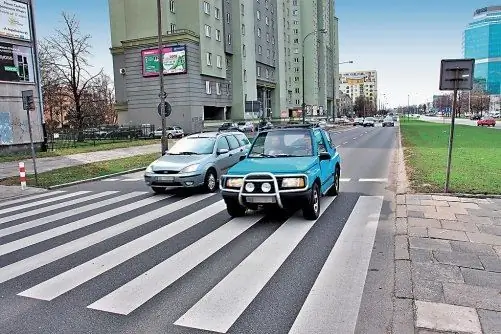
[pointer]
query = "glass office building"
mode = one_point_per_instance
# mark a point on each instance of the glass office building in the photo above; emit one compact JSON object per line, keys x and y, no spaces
{"x":482,"y":41}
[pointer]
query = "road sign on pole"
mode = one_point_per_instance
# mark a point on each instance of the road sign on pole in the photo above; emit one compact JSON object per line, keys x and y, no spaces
{"x":28,"y":105}
{"x":455,"y":74}
{"x":167,"y":109}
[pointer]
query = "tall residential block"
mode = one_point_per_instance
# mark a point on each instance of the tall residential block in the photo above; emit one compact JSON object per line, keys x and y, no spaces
{"x":482,"y":41}
{"x":360,"y":83}
{"x":223,"y":59}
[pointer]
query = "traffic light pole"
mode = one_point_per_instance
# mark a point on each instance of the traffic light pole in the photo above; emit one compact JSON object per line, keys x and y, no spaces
{"x":165,"y":144}
{"x":33,"y":153}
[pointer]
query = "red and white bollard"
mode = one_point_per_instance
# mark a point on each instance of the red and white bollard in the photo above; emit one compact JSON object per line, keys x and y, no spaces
{"x":22,"y":175}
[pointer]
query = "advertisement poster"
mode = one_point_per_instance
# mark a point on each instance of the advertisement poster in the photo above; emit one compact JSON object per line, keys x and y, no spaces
{"x":16,"y":63}
{"x":5,"y":129}
{"x":174,"y":61}
{"x":14,"y":20}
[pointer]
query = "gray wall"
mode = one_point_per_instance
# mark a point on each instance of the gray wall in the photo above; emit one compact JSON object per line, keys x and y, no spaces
{"x":270,"y":29}
{"x":13,"y":119}
{"x":227,"y":9}
{"x":185,"y":92}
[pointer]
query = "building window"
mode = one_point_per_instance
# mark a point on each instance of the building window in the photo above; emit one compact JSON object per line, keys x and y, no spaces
{"x":243,"y":29}
{"x":268,"y":53}
{"x":267,"y":73}
{"x":228,"y":18}
{"x":218,"y":35}
{"x":266,"y":21}
{"x":245,"y":75}
{"x":219,"y":62}
{"x":218,"y":88}
{"x":207,"y":30}
{"x":208,"y":88}
{"x":229,"y":38}
{"x":206,"y":8}
{"x":242,"y":9}
{"x":258,"y":32}
{"x":259,"y":49}
{"x":258,"y":15}
{"x":258,"y":71}
{"x":217,"y":13}
{"x":172,"y":27}
{"x":171,"y":6}
{"x":209,"y":59}
{"x":244,"y":50}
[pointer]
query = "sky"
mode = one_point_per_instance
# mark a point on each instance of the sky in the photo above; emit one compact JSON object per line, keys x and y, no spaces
{"x":403,"y":40}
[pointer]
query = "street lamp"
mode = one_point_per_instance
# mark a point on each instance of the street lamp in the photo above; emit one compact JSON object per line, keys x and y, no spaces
{"x":323,"y":31}
{"x":336,"y":89}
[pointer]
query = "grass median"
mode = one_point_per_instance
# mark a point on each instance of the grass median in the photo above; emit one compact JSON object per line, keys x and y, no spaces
{"x":83,"y":172}
{"x":85,"y":147}
{"x":476,"y":157}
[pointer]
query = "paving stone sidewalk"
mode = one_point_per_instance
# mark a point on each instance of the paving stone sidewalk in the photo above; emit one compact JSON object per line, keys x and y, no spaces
{"x":8,"y":169}
{"x":448,"y":263}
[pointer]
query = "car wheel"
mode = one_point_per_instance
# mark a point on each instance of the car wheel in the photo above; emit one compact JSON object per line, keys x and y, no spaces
{"x":210,"y":183}
{"x":159,"y":190}
{"x":235,"y":209}
{"x":169,"y":136}
{"x":334,"y":190}
{"x":312,"y":210}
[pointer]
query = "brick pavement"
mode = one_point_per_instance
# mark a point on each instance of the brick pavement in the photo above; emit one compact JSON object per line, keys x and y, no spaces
{"x":448,"y":262}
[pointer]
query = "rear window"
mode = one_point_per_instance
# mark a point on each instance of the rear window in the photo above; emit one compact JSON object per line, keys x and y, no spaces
{"x":242,"y":139}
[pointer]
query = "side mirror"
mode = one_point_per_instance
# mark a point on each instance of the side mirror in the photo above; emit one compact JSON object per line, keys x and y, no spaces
{"x":324,"y":156}
{"x":242,"y":157}
{"x":222,"y":151}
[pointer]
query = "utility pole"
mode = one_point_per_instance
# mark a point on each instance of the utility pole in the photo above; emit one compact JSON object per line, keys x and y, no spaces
{"x":165,"y":144}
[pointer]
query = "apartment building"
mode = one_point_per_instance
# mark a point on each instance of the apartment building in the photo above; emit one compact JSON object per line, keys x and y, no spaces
{"x":224,"y":59}
{"x":360,"y":83}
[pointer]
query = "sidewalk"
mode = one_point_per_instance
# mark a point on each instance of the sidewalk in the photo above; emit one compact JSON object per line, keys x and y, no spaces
{"x":448,"y":265}
{"x":8,"y":169}
{"x":11,"y":192}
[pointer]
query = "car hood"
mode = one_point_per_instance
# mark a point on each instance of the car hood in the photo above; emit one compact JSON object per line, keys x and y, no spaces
{"x":273,"y":165}
{"x":178,"y":162}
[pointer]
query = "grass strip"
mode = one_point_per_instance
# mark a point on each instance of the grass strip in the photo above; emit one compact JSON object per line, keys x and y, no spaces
{"x":84,"y":147}
{"x":476,"y":157}
{"x":83,"y":172}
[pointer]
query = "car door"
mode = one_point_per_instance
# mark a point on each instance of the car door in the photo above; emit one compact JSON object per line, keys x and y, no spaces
{"x":244,"y":143}
{"x":326,"y":172}
{"x":223,"y":160}
{"x":235,"y":149}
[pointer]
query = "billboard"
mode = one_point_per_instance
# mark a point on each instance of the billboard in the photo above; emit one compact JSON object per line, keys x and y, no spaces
{"x":16,"y":63}
{"x":14,"y":20}
{"x":174,"y":61}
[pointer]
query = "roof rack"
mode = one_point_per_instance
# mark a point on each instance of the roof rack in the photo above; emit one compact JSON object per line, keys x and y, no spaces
{"x":297,"y":126}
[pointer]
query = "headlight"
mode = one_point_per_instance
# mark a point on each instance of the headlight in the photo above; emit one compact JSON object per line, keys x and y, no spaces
{"x":234,"y":182}
{"x":190,"y":169}
{"x":149,"y":169}
{"x":293,"y":182}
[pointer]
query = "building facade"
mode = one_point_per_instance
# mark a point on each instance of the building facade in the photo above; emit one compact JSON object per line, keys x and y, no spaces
{"x":224,"y":59}
{"x":360,"y":83}
{"x":482,"y":41}
{"x":18,"y":72}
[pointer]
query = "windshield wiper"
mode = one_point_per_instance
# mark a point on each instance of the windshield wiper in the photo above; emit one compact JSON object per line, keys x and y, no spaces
{"x":283,"y":155}
{"x":188,"y":153}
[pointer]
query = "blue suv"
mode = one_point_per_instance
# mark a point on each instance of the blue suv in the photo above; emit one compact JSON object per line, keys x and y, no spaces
{"x":290,"y":167}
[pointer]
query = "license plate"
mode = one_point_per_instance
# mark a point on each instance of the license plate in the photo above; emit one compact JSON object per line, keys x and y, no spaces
{"x":165,"y":178}
{"x":261,"y":200}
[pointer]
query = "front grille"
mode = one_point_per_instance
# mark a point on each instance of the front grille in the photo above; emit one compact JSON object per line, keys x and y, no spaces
{"x":165,"y":172}
{"x":259,"y":177}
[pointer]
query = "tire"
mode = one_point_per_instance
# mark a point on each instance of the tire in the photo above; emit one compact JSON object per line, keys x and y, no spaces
{"x":169,"y":136}
{"x":334,"y":190}
{"x":210,"y":182}
{"x":159,"y":190}
{"x":235,"y":209}
{"x":312,"y":210}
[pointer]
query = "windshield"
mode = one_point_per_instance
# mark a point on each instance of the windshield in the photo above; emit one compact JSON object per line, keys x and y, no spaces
{"x":369,"y":119}
{"x":286,"y":143}
{"x":193,"y":145}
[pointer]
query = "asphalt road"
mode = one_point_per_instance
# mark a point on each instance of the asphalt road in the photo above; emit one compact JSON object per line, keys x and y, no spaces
{"x":111,"y":257}
{"x":463,"y":121}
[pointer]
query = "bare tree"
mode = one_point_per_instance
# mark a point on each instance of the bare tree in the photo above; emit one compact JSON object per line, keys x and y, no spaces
{"x":480,"y":100}
{"x":68,"y":51}
{"x":98,"y":102}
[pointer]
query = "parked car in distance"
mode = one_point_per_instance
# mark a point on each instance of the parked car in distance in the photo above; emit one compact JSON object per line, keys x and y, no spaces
{"x":197,"y":160}
{"x":290,"y":167}
{"x":369,"y":121}
{"x":486,"y":121}
{"x":227,"y":126}
{"x":245,"y":126}
{"x":358,"y":121}
{"x":170,"y":131}
{"x":388,"y":121}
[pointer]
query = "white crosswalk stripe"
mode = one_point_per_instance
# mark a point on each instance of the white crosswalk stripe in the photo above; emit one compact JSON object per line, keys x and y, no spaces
{"x":25,"y":199}
{"x":327,"y":308}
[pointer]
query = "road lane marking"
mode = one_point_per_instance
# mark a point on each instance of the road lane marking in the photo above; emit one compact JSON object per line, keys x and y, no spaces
{"x":355,"y":138}
{"x":54,"y":207}
{"x":39,"y":260}
{"x":60,"y":215}
{"x":45,"y":201}
{"x":57,"y":231}
{"x":334,"y":300}
{"x":219,"y":309}
{"x":132,"y":180}
{"x":25,"y":199}
{"x":344,"y":180}
{"x":345,"y":143}
{"x":74,"y":277}
{"x":372,"y":180}
{"x":110,"y":180}
{"x":135,"y":293}
{"x":338,"y":146}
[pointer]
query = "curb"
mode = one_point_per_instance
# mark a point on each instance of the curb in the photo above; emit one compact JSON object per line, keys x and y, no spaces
{"x":479,"y":196}
{"x":58,"y":186}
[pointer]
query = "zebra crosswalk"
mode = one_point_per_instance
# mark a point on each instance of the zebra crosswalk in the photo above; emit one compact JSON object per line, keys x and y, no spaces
{"x":186,"y":233}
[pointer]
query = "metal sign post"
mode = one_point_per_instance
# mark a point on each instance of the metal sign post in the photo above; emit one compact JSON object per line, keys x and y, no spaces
{"x":28,"y":105}
{"x":455,"y":74}
{"x":165,"y":143}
